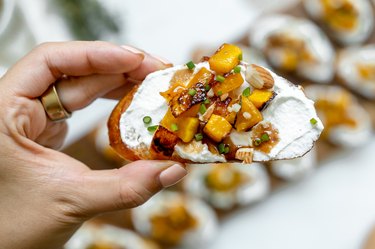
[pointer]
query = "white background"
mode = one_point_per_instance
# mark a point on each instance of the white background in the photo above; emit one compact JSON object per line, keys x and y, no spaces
{"x":333,"y":208}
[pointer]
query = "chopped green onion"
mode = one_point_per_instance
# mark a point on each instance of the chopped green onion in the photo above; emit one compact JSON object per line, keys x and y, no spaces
{"x":221,"y":148}
{"x":246,"y":92}
{"x":174,"y":127}
{"x":240,"y":57}
{"x":202,"y":109}
{"x":313,"y":121}
{"x":219,"y":93}
{"x":207,"y":87}
{"x":206,"y":101}
{"x":237,"y":69}
{"x":265,"y":137}
{"x":152,"y":128}
{"x":147,"y":119}
{"x":190,"y":65}
{"x":257,"y":141}
{"x":198,"y":136}
{"x":192,"y":91}
{"x":226,"y":150}
{"x":220,"y":78}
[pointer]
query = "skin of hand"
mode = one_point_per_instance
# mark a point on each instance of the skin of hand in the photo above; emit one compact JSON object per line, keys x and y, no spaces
{"x":45,"y":195}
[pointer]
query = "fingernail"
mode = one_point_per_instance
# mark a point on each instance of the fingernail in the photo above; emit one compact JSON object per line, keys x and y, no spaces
{"x":134,"y":50}
{"x":165,"y":62}
{"x":172,"y":175}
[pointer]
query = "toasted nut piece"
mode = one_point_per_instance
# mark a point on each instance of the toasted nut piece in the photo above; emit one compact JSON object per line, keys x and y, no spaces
{"x":224,"y":96}
{"x":210,"y":93}
{"x":245,"y":154}
{"x":259,"y":77}
{"x":206,"y":116}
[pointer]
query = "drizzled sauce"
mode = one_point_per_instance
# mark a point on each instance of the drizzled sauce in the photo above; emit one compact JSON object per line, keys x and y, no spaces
{"x":258,"y":134}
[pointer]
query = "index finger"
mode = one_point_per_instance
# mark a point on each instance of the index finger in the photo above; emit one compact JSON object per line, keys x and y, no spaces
{"x":33,"y":74}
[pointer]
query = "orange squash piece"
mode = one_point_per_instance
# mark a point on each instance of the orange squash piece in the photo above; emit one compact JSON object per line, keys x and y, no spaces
{"x":225,"y":58}
{"x":203,"y":76}
{"x":217,"y":128}
{"x":248,"y":116}
{"x":186,"y":126}
{"x":260,"y":97}
{"x":231,"y":82}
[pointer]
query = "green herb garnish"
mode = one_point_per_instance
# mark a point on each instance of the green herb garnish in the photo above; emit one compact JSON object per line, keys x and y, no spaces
{"x":246,"y":92}
{"x":174,"y":127}
{"x":220,"y":78}
{"x":147,"y":119}
{"x":219,"y":93}
{"x":198,"y":136}
{"x":192,"y":91}
{"x":313,"y":121}
{"x":152,"y":128}
{"x":237,"y":69}
{"x":240,"y":57}
{"x":202,"y":109}
{"x":206,"y":101}
{"x":221,"y":148}
{"x":226,"y":150}
{"x":207,"y":87}
{"x":190,"y":65}
{"x":265,"y":137}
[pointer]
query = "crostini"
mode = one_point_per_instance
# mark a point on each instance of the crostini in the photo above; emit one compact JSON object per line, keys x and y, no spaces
{"x":221,"y":109}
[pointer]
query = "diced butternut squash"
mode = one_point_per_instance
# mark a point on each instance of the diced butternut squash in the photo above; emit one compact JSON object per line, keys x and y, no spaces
{"x":233,"y":81}
{"x":203,"y":76}
{"x":248,"y":116}
{"x":187,"y":128}
{"x":231,"y":117}
{"x":181,"y":77}
{"x":225,"y":58}
{"x":192,"y":112}
{"x":184,"y":127}
{"x":179,"y":81}
{"x":260,"y":97}
{"x":217,"y":128}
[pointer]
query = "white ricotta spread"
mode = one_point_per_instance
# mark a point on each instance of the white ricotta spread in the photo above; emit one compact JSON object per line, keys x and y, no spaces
{"x":295,"y":169}
{"x":365,"y":21}
{"x":289,"y":112}
{"x":89,"y":234}
{"x":344,"y":135}
{"x":347,"y":69}
{"x":316,"y":42}
{"x":255,"y":189}
{"x":207,"y":223}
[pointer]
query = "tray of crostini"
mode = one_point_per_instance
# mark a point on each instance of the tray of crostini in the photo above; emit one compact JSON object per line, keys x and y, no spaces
{"x":325,"y":47}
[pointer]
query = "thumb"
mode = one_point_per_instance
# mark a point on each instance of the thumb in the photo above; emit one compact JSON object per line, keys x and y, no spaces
{"x":127,"y":187}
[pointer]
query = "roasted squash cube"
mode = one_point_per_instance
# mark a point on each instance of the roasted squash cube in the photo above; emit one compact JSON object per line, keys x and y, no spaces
{"x":184,"y":127}
{"x":217,"y":128}
{"x":187,"y":128}
{"x":231,"y":117}
{"x":225,"y":58}
{"x":260,"y":97}
{"x":248,"y":116}
{"x":203,"y":76}
{"x":233,"y":81}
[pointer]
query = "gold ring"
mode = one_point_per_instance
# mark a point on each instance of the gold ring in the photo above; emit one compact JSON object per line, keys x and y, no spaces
{"x":53,"y":106}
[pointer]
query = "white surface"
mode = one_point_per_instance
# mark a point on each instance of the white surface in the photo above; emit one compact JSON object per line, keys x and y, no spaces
{"x":332,"y":209}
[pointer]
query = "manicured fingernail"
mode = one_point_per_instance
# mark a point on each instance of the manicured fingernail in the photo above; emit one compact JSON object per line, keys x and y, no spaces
{"x":165,"y":62}
{"x":134,"y":50}
{"x":172,"y":175}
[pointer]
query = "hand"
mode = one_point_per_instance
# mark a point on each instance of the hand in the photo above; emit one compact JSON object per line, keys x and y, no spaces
{"x":45,"y":195}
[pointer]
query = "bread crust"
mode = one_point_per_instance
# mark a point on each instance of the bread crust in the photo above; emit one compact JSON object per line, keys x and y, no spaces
{"x":114,"y":127}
